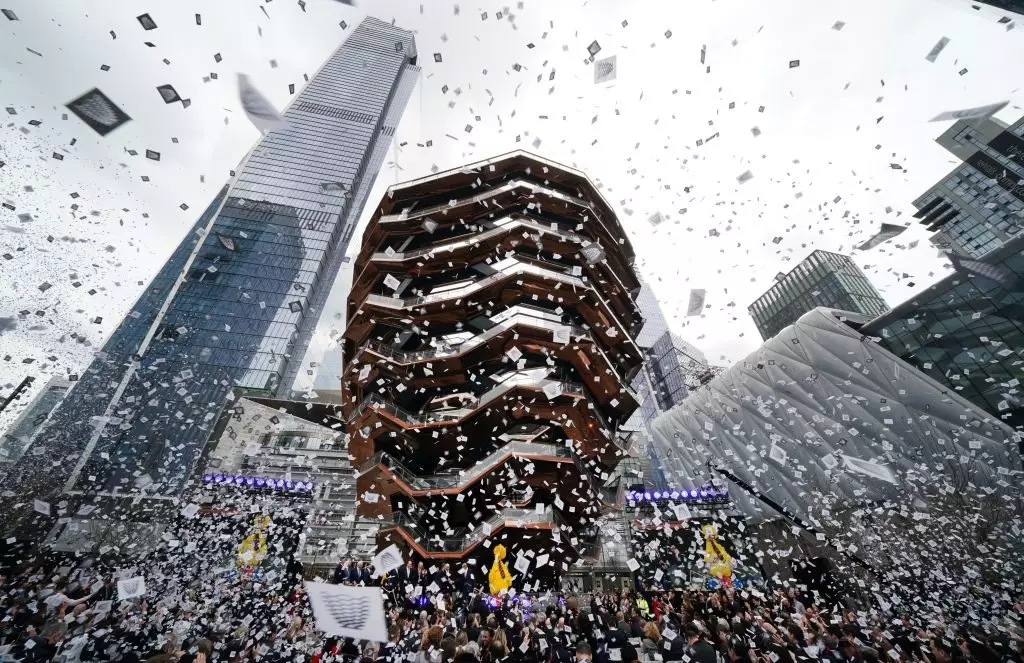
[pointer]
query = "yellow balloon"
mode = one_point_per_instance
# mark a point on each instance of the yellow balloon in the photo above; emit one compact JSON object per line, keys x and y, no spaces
{"x":717,"y":559}
{"x":253,"y":548}
{"x":499,"y":578}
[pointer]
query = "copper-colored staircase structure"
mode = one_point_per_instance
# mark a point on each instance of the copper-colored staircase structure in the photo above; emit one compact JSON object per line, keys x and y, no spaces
{"x":488,"y":356}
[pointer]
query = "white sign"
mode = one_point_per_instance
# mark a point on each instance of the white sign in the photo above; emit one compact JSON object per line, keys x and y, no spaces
{"x":130,"y":588}
{"x":387,"y":560}
{"x":348,"y":612}
{"x":970,"y":113}
{"x":260,"y":111}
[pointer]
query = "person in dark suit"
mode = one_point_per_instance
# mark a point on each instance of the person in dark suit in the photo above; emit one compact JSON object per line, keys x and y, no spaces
{"x":365,"y":575}
{"x":422,"y":577}
{"x":445,"y":580}
{"x":464,"y":580}
{"x":414,"y":574}
{"x":404,"y":573}
{"x":340,"y":574}
{"x":700,"y":650}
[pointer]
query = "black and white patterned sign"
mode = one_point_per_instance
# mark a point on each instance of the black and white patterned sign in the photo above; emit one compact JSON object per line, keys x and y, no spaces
{"x":98,"y":111}
{"x":387,"y":560}
{"x":131,"y":588}
{"x":348,"y":611}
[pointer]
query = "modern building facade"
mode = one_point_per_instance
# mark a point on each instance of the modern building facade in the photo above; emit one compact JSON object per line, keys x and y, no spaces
{"x":327,"y":384}
{"x":655,"y":324}
{"x":672,"y":367}
{"x":295,"y":453}
{"x":879,"y":458}
{"x":821,"y":279}
{"x":488,"y":356}
{"x":979,"y":205}
{"x":1016,"y":6}
{"x":18,"y":438}
{"x":967,"y":332}
{"x":237,"y":302}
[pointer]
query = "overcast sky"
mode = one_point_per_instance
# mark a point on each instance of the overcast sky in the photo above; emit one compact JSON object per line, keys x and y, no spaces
{"x":859,"y":101}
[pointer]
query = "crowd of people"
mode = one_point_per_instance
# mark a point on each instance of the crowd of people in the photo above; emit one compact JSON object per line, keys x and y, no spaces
{"x":198,"y":609}
{"x":725,"y":625}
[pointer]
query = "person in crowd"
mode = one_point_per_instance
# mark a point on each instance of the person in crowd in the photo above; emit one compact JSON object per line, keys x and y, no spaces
{"x":340,"y":574}
{"x":699,"y":649}
{"x":43,"y":647}
{"x":651,"y":642}
{"x":193,"y":611}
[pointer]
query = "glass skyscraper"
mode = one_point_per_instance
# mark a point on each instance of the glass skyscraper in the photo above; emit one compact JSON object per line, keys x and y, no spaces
{"x":821,"y":279}
{"x":980,"y":203}
{"x":238,"y":300}
{"x":16,"y":441}
{"x":655,"y":324}
{"x":1009,"y":5}
{"x":967,"y":332}
{"x":670,"y":369}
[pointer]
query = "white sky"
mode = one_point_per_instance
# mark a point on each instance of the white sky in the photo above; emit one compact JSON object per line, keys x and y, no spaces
{"x":635,"y":137}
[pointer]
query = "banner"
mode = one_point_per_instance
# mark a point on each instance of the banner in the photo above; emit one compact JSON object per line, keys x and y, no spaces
{"x":348,"y":611}
{"x":131,"y":588}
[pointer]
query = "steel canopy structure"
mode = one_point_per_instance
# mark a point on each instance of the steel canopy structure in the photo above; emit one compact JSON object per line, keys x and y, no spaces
{"x":885,"y":462}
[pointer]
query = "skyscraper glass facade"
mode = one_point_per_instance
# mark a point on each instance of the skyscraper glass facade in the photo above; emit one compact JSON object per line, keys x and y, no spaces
{"x":967,"y":332}
{"x":655,"y":324}
{"x":18,"y":437}
{"x":822,"y":279}
{"x":237,"y":303}
{"x":980,"y":204}
{"x":671,"y":368}
{"x":1009,"y":5}
{"x":674,"y":365}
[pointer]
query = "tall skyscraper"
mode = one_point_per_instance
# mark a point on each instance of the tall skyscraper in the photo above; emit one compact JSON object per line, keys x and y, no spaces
{"x":655,"y":324}
{"x":19,"y":435}
{"x":488,"y":353}
{"x":672,"y":368}
{"x":967,"y":332}
{"x":237,"y":302}
{"x":821,"y":279}
{"x":327,"y":384}
{"x":980,"y":203}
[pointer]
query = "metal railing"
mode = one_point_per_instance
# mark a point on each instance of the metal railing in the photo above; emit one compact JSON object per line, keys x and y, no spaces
{"x":501,"y":226}
{"x":377,"y":402}
{"x":492,"y":192}
{"x":504,"y":269}
{"x":440,"y":481}
{"x":438,"y":416}
{"x":521,"y":315}
{"x":464,"y":538}
{"x":450,"y":480}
